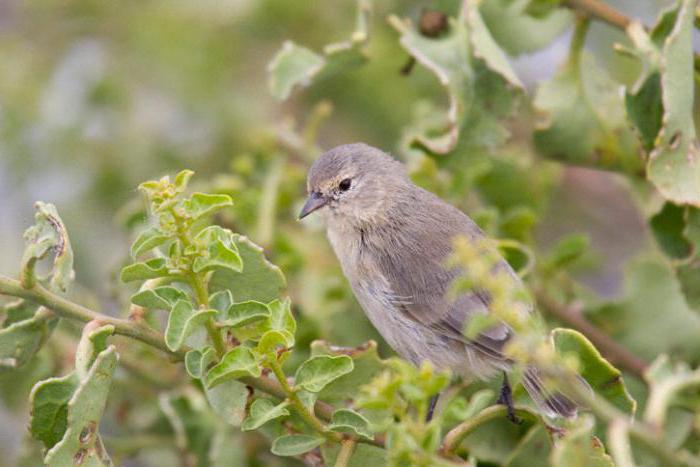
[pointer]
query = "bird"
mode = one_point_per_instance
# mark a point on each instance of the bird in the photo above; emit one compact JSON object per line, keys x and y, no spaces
{"x":392,"y":239}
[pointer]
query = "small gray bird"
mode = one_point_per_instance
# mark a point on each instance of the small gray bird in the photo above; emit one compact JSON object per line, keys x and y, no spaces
{"x":392,"y":239}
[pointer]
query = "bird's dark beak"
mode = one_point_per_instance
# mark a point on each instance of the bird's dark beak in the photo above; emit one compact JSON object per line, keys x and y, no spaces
{"x":315,"y":201}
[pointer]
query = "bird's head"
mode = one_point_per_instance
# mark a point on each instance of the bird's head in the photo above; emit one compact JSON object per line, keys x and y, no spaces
{"x":353,"y":183}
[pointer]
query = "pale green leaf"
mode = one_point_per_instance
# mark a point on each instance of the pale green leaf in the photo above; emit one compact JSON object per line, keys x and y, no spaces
{"x":243,"y":313}
{"x":159,"y":298}
{"x":228,"y":399}
{"x":293,"y":445}
{"x":579,"y":448}
{"x":21,"y":340}
{"x":49,"y":235}
{"x":292,"y":66}
{"x":261,"y":412}
{"x":235,"y":364}
{"x":202,"y":204}
{"x":182,"y":321}
{"x":273,"y":340}
{"x":92,"y":342}
{"x":197,"y":361}
{"x":151,"y":269}
{"x":221,"y":301}
{"x":222,"y":251}
{"x":281,"y":317}
{"x":317,"y":372}
{"x":148,"y":240}
{"x":349,"y":421}
{"x":49,"y":408}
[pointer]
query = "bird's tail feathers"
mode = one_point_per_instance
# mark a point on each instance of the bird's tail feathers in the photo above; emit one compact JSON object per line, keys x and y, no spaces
{"x":551,"y":403}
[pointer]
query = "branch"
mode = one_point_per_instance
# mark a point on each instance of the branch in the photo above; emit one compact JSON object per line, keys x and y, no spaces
{"x":67,"y":309}
{"x":599,"y":10}
{"x":571,"y":316}
{"x":347,"y":447}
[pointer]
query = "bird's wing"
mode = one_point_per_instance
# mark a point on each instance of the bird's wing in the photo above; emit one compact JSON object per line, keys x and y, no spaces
{"x":414,"y":267}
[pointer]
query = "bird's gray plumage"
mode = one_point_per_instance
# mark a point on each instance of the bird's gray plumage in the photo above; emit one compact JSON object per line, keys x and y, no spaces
{"x":392,"y":239}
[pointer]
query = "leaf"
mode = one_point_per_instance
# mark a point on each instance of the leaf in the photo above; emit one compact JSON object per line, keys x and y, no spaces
{"x":92,"y":342}
{"x":273,"y":340}
{"x":293,"y":445}
{"x":604,"y":379}
{"x":349,"y":421}
{"x":197,"y":361}
{"x":582,"y":118}
{"x":295,"y":65}
{"x":191,"y":422}
{"x":366,"y":365}
{"x":221,"y":250}
{"x":48,"y":235}
{"x":228,"y":399}
{"x":261,"y":412}
{"x":317,"y":372}
{"x":235,"y":364}
{"x":364,"y":455}
{"x":532,"y":449}
{"x":259,"y":280}
{"x":579,"y":448}
{"x":668,"y":227}
{"x":182,"y":322}
{"x":151,"y":269}
{"x":243,"y":313}
{"x":81,"y":439}
{"x":567,"y":250}
{"x":221,"y":301}
{"x":674,"y":164}
{"x":17,"y":310}
{"x":517,"y":31}
{"x":667,"y":380}
{"x":21,"y":340}
{"x":159,"y":298}
{"x":202,"y":204}
{"x":148,"y":240}
{"x":281,"y":318}
{"x":49,"y":408}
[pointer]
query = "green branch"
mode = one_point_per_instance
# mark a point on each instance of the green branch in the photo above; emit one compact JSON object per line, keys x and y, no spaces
{"x":347,"y":447}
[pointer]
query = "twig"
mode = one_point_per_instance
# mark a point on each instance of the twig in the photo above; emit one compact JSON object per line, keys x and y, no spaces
{"x":599,"y":10}
{"x":610,"y":349}
{"x":347,"y":447}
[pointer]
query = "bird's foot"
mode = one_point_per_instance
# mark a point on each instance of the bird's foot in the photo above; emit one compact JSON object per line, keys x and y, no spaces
{"x":506,"y":398}
{"x":431,"y":407}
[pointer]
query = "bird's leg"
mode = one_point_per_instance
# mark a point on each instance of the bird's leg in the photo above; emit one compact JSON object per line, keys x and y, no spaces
{"x":431,"y":407}
{"x":506,"y":398}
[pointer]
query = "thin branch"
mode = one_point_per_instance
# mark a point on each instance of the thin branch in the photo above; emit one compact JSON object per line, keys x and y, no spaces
{"x":599,"y":10}
{"x":571,"y":316}
{"x":347,"y":447}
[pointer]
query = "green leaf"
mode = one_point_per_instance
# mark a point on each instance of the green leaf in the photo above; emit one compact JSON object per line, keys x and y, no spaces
{"x":366,"y":365}
{"x":48,"y":235}
{"x":294,"y":65}
{"x":197,"y":361}
{"x":519,"y":32}
{"x":17,"y":310}
{"x":228,"y":399}
{"x":365,"y":455}
{"x":159,"y":298}
{"x":349,"y":421}
{"x":317,"y":372}
{"x":85,"y":408}
{"x":243,"y":313}
{"x":182,"y":322}
{"x":579,"y":448}
{"x":582,"y":118}
{"x":259,"y":280}
{"x":567,"y":250}
{"x":273,"y":340}
{"x":532,"y":449}
{"x":49,"y":408}
{"x":92,"y":342}
{"x":261,"y":412}
{"x":21,"y":340}
{"x":151,"y":269}
{"x":201,"y":204}
{"x":148,"y":240}
{"x":221,"y":250}
{"x":235,"y":364}
{"x":281,"y":318}
{"x":667,"y":382}
{"x":604,"y":379}
{"x":221,"y":301}
{"x":293,"y":445}
{"x":668,"y":226}
{"x":182,"y":179}
{"x":673,"y":165}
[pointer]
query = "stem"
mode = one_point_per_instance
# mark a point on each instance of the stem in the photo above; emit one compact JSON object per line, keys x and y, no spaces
{"x":571,"y":316}
{"x":599,"y":10}
{"x":67,"y":309}
{"x":200,"y":290}
{"x":298,"y":405}
{"x":456,"y":435}
{"x":347,"y":447}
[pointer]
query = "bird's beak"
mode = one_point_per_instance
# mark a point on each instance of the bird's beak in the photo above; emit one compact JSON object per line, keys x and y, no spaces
{"x":315,"y":201}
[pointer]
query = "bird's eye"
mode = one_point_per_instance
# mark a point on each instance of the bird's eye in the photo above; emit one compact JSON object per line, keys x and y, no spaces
{"x":345,"y":184}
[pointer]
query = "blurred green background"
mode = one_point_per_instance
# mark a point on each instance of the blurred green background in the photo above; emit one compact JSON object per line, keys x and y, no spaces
{"x":97,"y":96}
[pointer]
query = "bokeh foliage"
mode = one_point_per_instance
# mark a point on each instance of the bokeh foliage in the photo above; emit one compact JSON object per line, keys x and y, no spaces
{"x":225,"y":353}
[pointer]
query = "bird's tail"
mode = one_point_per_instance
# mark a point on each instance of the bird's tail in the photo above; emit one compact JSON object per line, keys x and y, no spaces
{"x":551,"y":403}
